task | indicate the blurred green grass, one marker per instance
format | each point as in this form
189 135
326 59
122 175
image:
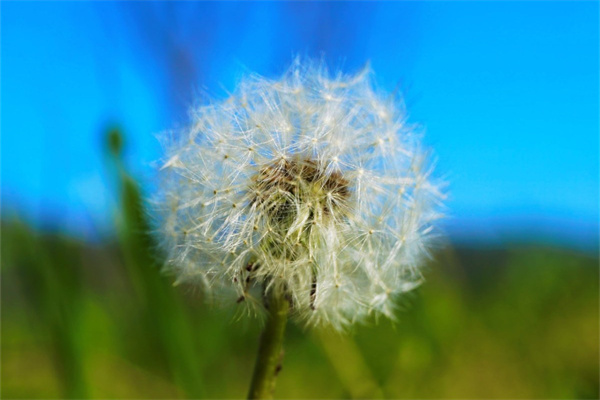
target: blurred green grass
83 320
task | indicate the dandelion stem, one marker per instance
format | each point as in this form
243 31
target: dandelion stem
270 350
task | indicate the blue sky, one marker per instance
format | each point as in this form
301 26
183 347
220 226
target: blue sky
508 93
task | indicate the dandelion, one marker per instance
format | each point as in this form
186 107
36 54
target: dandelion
309 195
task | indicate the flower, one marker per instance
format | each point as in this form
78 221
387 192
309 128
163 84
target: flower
313 187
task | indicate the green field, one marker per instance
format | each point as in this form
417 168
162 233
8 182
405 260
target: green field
83 320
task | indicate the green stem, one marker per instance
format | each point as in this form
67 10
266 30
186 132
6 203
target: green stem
268 361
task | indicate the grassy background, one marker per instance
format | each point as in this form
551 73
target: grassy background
83 320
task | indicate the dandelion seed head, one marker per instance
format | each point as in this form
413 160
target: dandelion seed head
313 186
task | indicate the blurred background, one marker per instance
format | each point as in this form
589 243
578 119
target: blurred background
508 93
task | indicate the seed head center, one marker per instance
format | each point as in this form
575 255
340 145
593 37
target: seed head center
299 188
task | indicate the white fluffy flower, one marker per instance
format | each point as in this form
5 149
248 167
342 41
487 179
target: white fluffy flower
310 186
